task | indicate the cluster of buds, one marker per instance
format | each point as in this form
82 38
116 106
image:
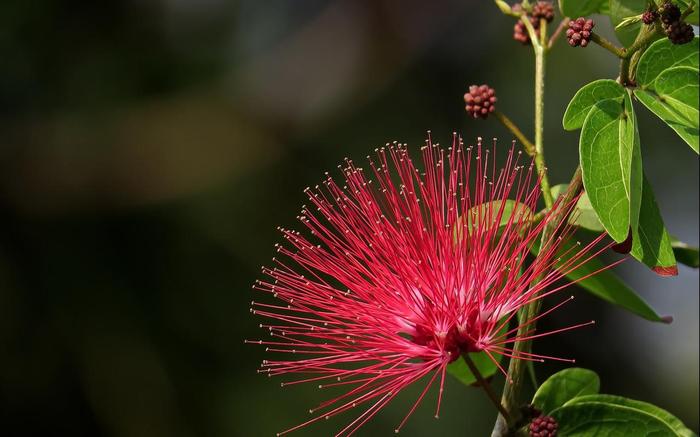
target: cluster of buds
670 13
542 10
650 16
480 101
677 30
579 32
543 426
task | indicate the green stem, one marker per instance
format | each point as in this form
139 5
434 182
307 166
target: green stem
633 66
527 144
625 72
517 368
538 45
505 8
607 45
645 37
539 125
688 11
631 55
486 386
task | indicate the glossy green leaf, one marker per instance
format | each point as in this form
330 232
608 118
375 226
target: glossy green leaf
580 8
605 284
671 422
663 54
651 243
564 386
611 165
685 253
687 132
678 88
629 133
486 366
621 9
584 215
586 97
609 420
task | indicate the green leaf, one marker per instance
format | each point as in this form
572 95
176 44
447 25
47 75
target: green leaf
579 8
487 213
584 215
586 97
486 366
663 54
672 422
621 9
629 21
611 165
678 88
564 386
609 420
651 243
687 132
685 254
604 284
629 133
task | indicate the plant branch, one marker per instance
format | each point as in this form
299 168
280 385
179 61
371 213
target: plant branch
506 9
543 33
631 55
645 37
607 45
486 386
527 144
539 125
538 42
633 66
625 72
517 368
557 32
689 10
532 33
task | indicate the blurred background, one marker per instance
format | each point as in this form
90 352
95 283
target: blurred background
149 149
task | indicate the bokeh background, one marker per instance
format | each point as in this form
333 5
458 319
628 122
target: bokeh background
149 149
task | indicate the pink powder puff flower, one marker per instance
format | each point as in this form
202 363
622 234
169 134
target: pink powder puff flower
395 280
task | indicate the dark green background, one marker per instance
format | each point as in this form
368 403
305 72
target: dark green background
148 150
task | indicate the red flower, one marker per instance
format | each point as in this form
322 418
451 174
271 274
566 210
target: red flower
394 281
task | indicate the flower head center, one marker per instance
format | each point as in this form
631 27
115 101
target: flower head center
453 342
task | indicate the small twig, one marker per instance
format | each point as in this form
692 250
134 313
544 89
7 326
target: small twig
543 33
506 9
517 368
624 71
633 66
630 57
645 37
527 144
689 10
532 33
539 216
607 45
486 386
557 32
